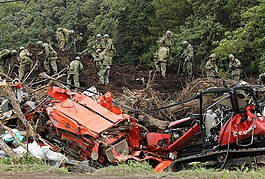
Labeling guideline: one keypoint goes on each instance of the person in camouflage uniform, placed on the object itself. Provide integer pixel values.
(108, 48)
(262, 79)
(78, 42)
(62, 36)
(161, 59)
(106, 61)
(98, 58)
(188, 56)
(97, 49)
(5, 56)
(24, 60)
(234, 68)
(98, 43)
(73, 71)
(211, 67)
(50, 57)
(163, 55)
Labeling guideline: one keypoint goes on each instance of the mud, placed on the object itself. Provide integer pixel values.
(120, 76)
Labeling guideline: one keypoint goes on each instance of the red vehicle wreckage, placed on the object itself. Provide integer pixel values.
(95, 130)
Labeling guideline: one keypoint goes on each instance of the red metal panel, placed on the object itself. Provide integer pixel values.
(163, 165)
(175, 123)
(85, 117)
(153, 139)
(242, 126)
(58, 93)
(90, 103)
(185, 139)
(64, 122)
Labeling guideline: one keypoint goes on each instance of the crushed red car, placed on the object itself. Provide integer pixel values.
(84, 129)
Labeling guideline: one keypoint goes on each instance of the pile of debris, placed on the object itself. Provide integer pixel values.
(46, 119)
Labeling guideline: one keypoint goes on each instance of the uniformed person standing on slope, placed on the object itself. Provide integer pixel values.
(262, 79)
(211, 67)
(5, 57)
(50, 57)
(73, 71)
(98, 43)
(234, 68)
(106, 62)
(24, 61)
(108, 48)
(97, 49)
(62, 36)
(188, 56)
(163, 55)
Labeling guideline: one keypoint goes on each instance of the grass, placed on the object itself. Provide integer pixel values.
(143, 170)
(29, 165)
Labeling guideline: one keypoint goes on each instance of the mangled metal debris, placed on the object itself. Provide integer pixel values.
(82, 125)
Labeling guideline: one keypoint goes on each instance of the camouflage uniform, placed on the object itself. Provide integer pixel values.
(163, 54)
(262, 79)
(5, 55)
(211, 69)
(98, 58)
(188, 59)
(106, 61)
(73, 71)
(97, 48)
(161, 60)
(235, 69)
(50, 58)
(109, 49)
(62, 36)
(104, 69)
(24, 60)
(79, 41)
(98, 44)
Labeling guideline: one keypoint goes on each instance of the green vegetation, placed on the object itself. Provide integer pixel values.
(28, 164)
(222, 27)
(145, 170)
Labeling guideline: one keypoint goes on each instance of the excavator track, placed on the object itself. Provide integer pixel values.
(219, 156)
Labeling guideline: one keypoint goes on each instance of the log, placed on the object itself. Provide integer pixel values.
(151, 123)
(7, 92)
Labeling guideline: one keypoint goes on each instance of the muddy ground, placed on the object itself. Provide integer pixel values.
(129, 77)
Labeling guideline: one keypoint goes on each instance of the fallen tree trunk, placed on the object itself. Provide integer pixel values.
(7, 92)
(151, 123)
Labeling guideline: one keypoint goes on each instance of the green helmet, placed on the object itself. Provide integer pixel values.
(13, 52)
(21, 48)
(212, 56)
(39, 43)
(185, 43)
(106, 36)
(231, 56)
(169, 33)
